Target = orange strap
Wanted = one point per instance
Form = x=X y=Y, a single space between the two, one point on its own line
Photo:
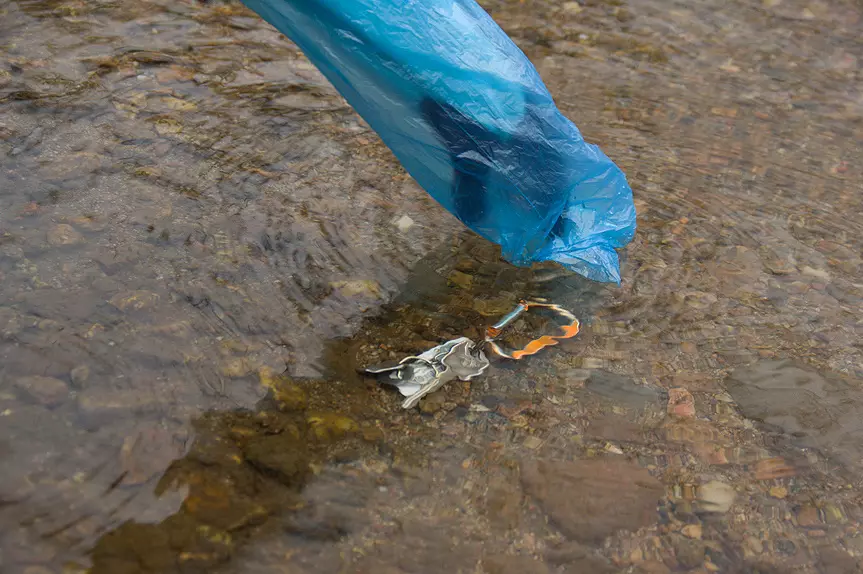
x=567 y=331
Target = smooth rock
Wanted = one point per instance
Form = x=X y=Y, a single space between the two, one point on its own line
x=716 y=496
x=80 y=375
x=822 y=411
x=621 y=389
x=46 y=391
x=591 y=499
x=64 y=234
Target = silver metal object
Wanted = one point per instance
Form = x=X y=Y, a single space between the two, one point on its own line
x=415 y=377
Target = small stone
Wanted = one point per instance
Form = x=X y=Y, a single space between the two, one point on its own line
x=288 y=395
x=134 y=300
x=752 y=546
x=331 y=426
x=404 y=223
x=692 y=531
x=432 y=403
x=79 y=376
x=64 y=234
x=808 y=517
x=681 y=403
x=818 y=273
x=773 y=468
x=690 y=553
x=459 y=279
x=168 y=126
x=785 y=546
x=46 y=391
x=9 y=322
x=532 y=442
x=236 y=367
x=358 y=287
x=99 y=406
x=778 y=492
x=572 y=7
x=689 y=347
x=716 y=496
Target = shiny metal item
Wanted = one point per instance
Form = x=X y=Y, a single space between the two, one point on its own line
x=415 y=377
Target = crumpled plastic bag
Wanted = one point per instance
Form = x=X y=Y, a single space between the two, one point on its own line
x=468 y=116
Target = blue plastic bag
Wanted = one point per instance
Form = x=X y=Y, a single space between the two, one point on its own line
x=468 y=116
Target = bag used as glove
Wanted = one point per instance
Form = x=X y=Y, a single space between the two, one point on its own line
x=468 y=116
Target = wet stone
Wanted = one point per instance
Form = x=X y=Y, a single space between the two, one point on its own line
x=79 y=376
x=621 y=390
x=820 y=411
x=9 y=322
x=591 y=499
x=46 y=391
x=134 y=300
x=690 y=553
x=716 y=496
x=64 y=234
x=283 y=456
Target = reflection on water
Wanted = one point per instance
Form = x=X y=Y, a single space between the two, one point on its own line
x=201 y=244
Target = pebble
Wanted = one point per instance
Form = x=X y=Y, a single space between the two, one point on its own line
x=681 y=403
x=532 y=442
x=572 y=7
x=404 y=223
x=46 y=391
x=716 y=496
x=79 y=376
x=64 y=234
x=692 y=531
x=358 y=287
x=808 y=517
x=778 y=492
x=134 y=300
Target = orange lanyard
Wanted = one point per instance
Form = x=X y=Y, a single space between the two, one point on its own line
x=568 y=331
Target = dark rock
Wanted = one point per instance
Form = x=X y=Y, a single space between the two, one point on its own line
x=591 y=499
x=282 y=456
x=689 y=553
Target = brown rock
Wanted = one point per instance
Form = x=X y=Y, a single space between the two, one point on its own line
x=591 y=499
x=681 y=403
x=808 y=517
x=283 y=456
x=46 y=391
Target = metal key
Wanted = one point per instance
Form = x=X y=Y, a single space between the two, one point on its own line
x=417 y=376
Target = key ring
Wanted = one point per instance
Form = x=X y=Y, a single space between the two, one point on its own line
x=568 y=330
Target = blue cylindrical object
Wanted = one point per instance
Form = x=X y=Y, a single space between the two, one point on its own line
x=468 y=116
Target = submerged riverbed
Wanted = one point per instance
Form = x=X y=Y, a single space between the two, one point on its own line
x=201 y=244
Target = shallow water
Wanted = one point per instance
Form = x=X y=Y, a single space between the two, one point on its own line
x=199 y=248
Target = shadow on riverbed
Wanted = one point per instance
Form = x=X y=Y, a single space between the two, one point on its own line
x=344 y=437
